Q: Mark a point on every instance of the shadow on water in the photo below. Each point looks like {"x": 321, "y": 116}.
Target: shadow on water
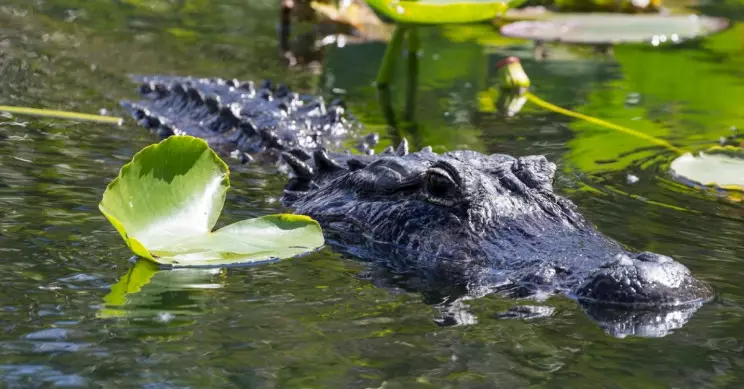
{"x": 76, "y": 314}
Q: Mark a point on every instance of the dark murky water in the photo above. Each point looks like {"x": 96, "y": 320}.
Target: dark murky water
{"x": 76, "y": 313}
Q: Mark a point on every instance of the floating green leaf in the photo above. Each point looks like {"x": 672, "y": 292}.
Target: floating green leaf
{"x": 166, "y": 201}
{"x": 597, "y": 28}
{"x": 717, "y": 167}
{"x": 441, "y": 11}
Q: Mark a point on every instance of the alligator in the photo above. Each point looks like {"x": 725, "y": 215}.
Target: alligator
{"x": 459, "y": 224}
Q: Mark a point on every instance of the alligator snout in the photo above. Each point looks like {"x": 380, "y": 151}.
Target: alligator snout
{"x": 644, "y": 279}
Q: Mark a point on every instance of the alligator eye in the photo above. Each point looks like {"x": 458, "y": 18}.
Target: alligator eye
{"x": 440, "y": 187}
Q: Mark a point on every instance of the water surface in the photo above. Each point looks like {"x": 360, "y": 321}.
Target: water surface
{"x": 77, "y": 313}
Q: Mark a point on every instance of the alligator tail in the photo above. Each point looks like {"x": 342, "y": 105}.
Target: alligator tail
{"x": 239, "y": 118}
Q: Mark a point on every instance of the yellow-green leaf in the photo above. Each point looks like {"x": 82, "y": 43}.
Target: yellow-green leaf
{"x": 166, "y": 201}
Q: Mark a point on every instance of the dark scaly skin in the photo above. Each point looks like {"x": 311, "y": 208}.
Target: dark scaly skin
{"x": 239, "y": 118}
{"x": 455, "y": 224}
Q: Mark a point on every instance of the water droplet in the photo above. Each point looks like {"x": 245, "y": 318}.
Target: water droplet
{"x": 632, "y": 179}
{"x": 663, "y": 38}
{"x": 655, "y": 40}
{"x": 400, "y": 10}
{"x": 675, "y": 38}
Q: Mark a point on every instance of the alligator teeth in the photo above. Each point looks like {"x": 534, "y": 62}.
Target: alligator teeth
{"x": 402, "y": 148}
{"x": 324, "y": 163}
{"x": 300, "y": 169}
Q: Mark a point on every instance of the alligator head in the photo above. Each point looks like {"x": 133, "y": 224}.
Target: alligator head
{"x": 489, "y": 223}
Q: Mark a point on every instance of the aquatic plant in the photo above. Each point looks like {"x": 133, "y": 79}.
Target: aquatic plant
{"x": 607, "y": 28}
{"x": 60, "y": 114}
{"x": 166, "y": 202}
{"x": 408, "y": 15}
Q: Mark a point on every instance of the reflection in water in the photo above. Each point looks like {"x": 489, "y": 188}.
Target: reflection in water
{"x": 621, "y": 323}
{"x": 148, "y": 290}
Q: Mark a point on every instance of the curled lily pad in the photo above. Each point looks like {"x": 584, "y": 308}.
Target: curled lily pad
{"x": 597, "y": 28}
{"x": 441, "y": 11}
{"x": 166, "y": 201}
{"x": 717, "y": 167}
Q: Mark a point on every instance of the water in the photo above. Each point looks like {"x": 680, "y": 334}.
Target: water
{"x": 77, "y": 313}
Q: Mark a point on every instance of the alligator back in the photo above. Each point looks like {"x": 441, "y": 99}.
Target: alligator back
{"x": 238, "y": 118}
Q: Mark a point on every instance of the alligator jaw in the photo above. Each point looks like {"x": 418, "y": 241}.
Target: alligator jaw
{"x": 643, "y": 280}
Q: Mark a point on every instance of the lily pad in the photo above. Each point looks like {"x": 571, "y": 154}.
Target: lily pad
{"x": 718, "y": 167}
{"x": 441, "y": 11}
{"x": 606, "y": 28}
{"x": 167, "y": 200}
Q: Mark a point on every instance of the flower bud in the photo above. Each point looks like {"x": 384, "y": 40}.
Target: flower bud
{"x": 511, "y": 75}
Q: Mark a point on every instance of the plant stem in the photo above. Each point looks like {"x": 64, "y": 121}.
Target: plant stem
{"x": 412, "y": 81}
{"x": 385, "y": 74}
{"x": 61, "y": 114}
{"x": 552, "y": 107}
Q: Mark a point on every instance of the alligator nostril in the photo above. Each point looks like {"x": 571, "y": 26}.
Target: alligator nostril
{"x": 653, "y": 257}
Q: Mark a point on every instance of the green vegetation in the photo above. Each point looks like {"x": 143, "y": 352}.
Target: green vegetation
{"x": 440, "y": 11}
{"x": 408, "y": 15}
{"x": 615, "y": 28}
{"x": 167, "y": 200}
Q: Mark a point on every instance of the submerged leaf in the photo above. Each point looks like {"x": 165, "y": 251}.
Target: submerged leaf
{"x": 166, "y": 201}
{"x": 441, "y": 11}
{"x": 597, "y": 28}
